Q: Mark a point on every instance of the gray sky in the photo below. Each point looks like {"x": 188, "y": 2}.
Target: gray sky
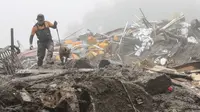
{"x": 97, "y": 15}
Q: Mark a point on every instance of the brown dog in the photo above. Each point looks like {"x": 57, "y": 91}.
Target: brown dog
{"x": 64, "y": 52}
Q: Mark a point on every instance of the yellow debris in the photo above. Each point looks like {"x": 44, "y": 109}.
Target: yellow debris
{"x": 57, "y": 57}
{"x": 91, "y": 40}
{"x": 116, "y": 38}
{"x": 76, "y": 43}
{"x": 68, "y": 42}
{"x": 94, "y": 53}
{"x": 106, "y": 41}
{"x": 103, "y": 45}
{"x": 101, "y": 52}
{"x": 89, "y": 55}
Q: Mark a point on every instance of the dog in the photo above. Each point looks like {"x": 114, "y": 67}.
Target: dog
{"x": 64, "y": 52}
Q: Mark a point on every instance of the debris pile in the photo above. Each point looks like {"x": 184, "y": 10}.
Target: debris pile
{"x": 167, "y": 42}
{"x": 144, "y": 67}
{"x": 115, "y": 89}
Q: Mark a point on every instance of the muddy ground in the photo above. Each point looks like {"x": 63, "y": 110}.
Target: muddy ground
{"x": 114, "y": 88}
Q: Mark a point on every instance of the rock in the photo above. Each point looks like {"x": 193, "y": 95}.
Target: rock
{"x": 25, "y": 96}
{"x": 154, "y": 83}
{"x": 104, "y": 63}
{"x": 82, "y": 63}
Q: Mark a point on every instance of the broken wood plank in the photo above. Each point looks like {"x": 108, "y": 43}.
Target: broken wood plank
{"x": 44, "y": 71}
{"x": 50, "y": 75}
{"x": 188, "y": 67}
{"x": 194, "y": 71}
{"x": 162, "y": 69}
{"x": 171, "y": 72}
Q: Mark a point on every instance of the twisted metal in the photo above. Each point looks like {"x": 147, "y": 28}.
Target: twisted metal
{"x": 9, "y": 60}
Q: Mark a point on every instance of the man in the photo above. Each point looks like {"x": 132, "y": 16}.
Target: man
{"x": 41, "y": 29}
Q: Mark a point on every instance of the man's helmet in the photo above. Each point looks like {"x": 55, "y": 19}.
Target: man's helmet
{"x": 40, "y": 17}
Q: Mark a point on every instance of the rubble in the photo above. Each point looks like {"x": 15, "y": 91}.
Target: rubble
{"x": 144, "y": 67}
{"x": 103, "y": 90}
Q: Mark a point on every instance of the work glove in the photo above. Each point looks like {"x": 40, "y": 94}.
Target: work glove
{"x": 31, "y": 47}
{"x": 55, "y": 23}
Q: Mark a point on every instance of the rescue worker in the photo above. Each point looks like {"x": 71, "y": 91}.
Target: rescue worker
{"x": 42, "y": 31}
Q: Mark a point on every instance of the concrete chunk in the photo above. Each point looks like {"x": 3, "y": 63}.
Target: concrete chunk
{"x": 154, "y": 83}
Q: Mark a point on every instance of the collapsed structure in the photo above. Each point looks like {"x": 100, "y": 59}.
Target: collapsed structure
{"x": 143, "y": 67}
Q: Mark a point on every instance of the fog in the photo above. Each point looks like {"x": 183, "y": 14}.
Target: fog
{"x": 122, "y": 11}
{"x": 97, "y": 15}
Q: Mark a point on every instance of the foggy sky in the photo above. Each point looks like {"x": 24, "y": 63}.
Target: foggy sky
{"x": 97, "y": 15}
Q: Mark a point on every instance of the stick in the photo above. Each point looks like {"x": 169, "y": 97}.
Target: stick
{"x": 124, "y": 87}
{"x": 58, "y": 36}
{"x": 142, "y": 13}
{"x": 145, "y": 19}
{"x": 154, "y": 30}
